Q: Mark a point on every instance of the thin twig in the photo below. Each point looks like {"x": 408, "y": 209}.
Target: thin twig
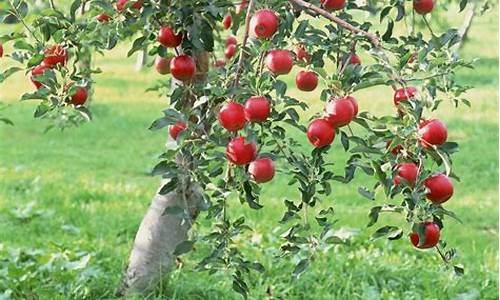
{"x": 18, "y": 16}
{"x": 310, "y": 7}
{"x": 245, "y": 38}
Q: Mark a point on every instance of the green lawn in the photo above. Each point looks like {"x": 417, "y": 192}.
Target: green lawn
{"x": 90, "y": 189}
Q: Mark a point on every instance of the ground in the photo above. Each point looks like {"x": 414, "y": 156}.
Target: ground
{"x": 71, "y": 202}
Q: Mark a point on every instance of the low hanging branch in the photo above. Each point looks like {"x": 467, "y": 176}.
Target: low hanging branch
{"x": 245, "y": 38}
{"x": 314, "y": 10}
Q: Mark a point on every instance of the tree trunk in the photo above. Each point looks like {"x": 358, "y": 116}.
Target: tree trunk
{"x": 464, "y": 29}
{"x": 142, "y": 59}
{"x": 152, "y": 255}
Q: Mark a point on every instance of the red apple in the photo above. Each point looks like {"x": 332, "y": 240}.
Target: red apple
{"x": 440, "y": 188}
{"x": 230, "y": 51}
{"x": 1, "y": 50}
{"x": 226, "y": 22}
{"x": 302, "y": 54}
{"x": 423, "y": 6}
{"x": 396, "y": 150}
{"x": 232, "y": 116}
{"x": 182, "y": 67}
{"x": 408, "y": 172}
{"x": 54, "y": 55}
{"x": 231, "y": 40}
{"x": 306, "y": 80}
{"x": 261, "y": 170}
{"x": 432, "y": 132}
{"x": 36, "y": 71}
{"x": 176, "y": 129}
{"x": 103, "y": 18}
{"x": 320, "y": 133}
{"x": 331, "y": 5}
{"x": 80, "y": 96}
{"x": 354, "y": 59}
{"x": 239, "y": 152}
{"x": 162, "y": 65}
{"x": 120, "y": 4}
{"x": 257, "y": 109}
{"x": 340, "y": 112}
{"x": 168, "y": 38}
{"x": 354, "y": 104}
{"x": 404, "y": 94}
{"x": 279, "y": 62}
{"x": 431, "y": 231}
{"x": 264, "y": 24}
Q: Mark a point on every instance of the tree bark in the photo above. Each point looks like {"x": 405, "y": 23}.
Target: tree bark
{"x": 464, "y": 29}
{"x": 142, "y": 59}
{"x": 152, "y": 255}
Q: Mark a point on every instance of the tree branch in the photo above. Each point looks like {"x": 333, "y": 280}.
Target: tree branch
{"x": 314, "y": 11}
{"x": 245, "y": 38}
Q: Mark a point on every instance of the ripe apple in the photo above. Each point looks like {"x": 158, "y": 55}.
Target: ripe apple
{"x": 261, "y": 170}
{"x": 103, "y": 17}
{"x": 432, "y": 132}
{"x": 168, "y": 38}
{"x": 440, "y": 188}
{"x": 231, "y": 40}
{"x": 264, "y": 24}
{"x": 240, "y": 152}
{"x": 423, "y": 6}
{"x": 431, "y": 231}
{"x": 320, "y": 133}
{"x": 302, "y": 54}
{"x": 54, "y": 55}
{"x": 408, "y": 172}
{"x": 354, "y": 103}
{"x": 257, "y": 109}
{"x": 404, "y": 94}
{"x": 182, "y": 67}
{"x": 230, "y": 51}
{"x": 279, "y": 62}
{"x": 36, "y": 71}
{"x": 120, "y": 4}
{"x": 331, "y": 5}
{"x": 80, "y": 96}
{"x": 232, "y": 116}
{"x": 1, "y": 50}
{"x": 340, "y": 112}
{"x": 162, "y": 65}
{"x": 306, "y": 80}
{"x": 396, "y": 150}
{"x": 176, "y": 129}
{"x": 354, "y": 59}
{"x": 226, "y": 22}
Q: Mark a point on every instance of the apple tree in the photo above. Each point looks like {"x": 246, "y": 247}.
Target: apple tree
{"x": 235, "y": 125}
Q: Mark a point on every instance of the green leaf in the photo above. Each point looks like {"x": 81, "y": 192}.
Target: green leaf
{"x": 363, "y": 191}
{"x": 137, "y": 45}
{"x": 301, "y": 267}
{"x": 183, "y": 247}
{"x": 392, "y": 233}
{"x": 8, "y": 73}
{"x": 169, "y": 186}
{"x": 463, "y": 4}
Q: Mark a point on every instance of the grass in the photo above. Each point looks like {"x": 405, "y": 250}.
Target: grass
{"x": 90, "y": 188}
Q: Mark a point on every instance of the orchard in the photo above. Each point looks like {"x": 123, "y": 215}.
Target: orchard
{"x": 235, "y": 129}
